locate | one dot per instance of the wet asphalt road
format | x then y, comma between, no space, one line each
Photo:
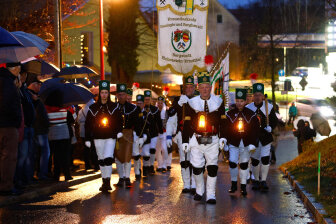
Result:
158,199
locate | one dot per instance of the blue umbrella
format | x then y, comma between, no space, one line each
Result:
7,39
40,67
75,72
67,93
31,40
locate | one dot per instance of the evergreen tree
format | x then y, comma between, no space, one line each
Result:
123,39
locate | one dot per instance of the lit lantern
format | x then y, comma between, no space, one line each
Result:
240,125
104,122
202,122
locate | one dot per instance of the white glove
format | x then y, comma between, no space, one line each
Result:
222,143
144,137
226,148
268,129
169,143
183,99
185,147
88,144
135,137
251,148
140,142
119,135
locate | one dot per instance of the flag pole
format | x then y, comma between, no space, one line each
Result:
319,174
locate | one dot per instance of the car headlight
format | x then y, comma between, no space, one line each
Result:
326,111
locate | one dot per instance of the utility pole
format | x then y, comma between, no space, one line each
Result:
58,32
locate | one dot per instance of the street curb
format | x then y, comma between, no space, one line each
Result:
54,187
308,200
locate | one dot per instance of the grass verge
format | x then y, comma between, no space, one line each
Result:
304,168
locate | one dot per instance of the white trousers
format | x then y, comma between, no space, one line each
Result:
153,144
105,149
261,151
162,152
204,155
187,177
145,152
239,155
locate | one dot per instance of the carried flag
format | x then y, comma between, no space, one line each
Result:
182,29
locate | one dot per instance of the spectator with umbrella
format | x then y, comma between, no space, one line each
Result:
10,120
26,153
41,126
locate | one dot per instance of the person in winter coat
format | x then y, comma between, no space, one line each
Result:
292,113
303,133
10,120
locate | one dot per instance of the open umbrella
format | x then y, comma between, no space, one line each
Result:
28,39
320,124
40,67
7,39
31,47
75,72
69,93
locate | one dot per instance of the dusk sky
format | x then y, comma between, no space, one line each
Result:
234,3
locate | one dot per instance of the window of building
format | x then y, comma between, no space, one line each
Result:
86,48
219,18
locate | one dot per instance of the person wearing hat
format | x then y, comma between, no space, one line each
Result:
147,118
156,129
201,128
262,153
238,130
104,125
175,127
162,157
132,124
129,92
10,121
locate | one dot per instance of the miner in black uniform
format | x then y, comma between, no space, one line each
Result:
200,135
267,122
131,135
238,130
175,127
155,129
147,118
103,125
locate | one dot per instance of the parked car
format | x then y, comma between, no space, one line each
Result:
308,106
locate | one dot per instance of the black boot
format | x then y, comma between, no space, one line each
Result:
151,170
103,187
108,184
121,182
168,168
263,186
128,182
243,189
137,176
197,197
185,190
233,187
255,185
193,191
145,171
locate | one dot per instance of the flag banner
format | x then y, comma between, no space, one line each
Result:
226,80
182,31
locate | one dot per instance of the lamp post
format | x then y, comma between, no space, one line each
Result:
101,23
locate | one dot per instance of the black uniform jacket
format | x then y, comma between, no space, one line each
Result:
155,126
147,120
229,127
215,114
260,111
131,119
94,129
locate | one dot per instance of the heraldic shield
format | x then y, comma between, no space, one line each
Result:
124,146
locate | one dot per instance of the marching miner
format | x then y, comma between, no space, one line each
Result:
239,131
175,127
155,128
200,136
132,124
104,125
267,122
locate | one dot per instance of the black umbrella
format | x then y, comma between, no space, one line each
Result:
75,72
40,67
55,93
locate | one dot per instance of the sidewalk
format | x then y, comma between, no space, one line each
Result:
38,188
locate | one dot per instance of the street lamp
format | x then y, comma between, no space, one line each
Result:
101,24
